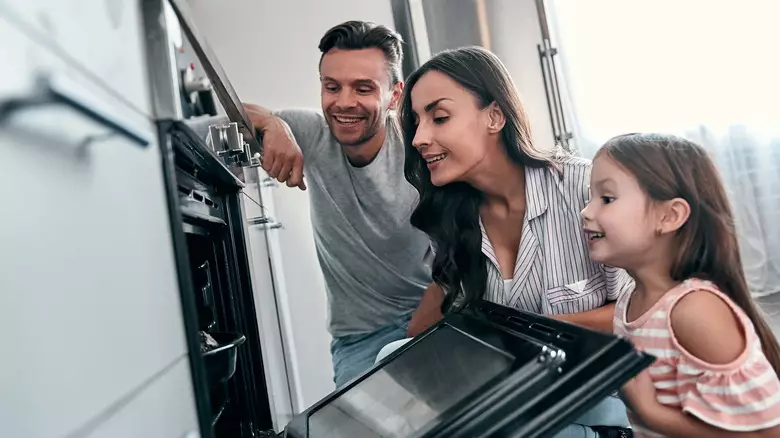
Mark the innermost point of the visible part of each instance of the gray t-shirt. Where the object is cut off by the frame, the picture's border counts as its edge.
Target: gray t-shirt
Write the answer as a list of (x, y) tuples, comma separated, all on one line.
[(373, 260)]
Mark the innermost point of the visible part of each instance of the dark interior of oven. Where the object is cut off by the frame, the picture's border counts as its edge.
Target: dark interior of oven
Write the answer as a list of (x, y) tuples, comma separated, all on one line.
[(214, 275)]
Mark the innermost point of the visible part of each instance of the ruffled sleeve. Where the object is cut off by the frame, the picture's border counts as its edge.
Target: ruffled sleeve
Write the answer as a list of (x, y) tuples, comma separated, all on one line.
[(742, 396)]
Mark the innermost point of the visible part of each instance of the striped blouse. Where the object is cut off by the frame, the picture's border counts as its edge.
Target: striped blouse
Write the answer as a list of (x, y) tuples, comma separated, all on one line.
[(741, 396), (554, 273)]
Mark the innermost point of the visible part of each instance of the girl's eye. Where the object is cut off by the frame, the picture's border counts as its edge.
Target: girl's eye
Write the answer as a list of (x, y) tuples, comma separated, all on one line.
[(440, 120), (607, 199)]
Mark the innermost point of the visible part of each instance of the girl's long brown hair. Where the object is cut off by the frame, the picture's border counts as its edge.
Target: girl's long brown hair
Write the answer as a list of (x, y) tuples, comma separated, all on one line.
[(669, 167)]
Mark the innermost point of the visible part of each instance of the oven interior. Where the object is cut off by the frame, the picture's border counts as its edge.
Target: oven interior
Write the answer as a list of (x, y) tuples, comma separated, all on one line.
[(213, 257)]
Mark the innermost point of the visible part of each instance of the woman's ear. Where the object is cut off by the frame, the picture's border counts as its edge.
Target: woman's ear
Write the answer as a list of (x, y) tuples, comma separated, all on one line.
[(496, 118), (675, 214)]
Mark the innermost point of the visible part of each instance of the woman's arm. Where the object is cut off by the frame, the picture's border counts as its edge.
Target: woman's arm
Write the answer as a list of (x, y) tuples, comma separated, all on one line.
[(596, 319)]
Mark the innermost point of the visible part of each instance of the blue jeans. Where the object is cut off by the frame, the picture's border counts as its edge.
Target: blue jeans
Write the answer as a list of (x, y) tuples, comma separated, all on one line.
[(609, 412), (354, 354)]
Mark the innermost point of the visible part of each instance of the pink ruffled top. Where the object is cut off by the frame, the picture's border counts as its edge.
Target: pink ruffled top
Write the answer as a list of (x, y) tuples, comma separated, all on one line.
[(743, 395)]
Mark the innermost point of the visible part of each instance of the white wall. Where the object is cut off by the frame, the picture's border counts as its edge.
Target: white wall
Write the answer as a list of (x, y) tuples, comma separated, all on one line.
[(513, 27), (268, 49), (514, 35)]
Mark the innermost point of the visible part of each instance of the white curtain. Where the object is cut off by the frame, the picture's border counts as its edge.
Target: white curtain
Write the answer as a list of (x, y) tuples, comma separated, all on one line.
[(709, 71)]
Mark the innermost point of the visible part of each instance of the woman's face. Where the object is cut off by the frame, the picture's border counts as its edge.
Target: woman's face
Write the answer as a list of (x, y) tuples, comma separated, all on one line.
[(453, 133)]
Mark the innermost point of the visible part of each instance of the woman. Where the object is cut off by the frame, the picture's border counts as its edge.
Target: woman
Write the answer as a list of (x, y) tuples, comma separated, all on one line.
[(503, 216)]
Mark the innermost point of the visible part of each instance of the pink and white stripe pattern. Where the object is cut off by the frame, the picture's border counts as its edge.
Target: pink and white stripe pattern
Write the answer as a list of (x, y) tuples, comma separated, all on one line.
[(740, 396)]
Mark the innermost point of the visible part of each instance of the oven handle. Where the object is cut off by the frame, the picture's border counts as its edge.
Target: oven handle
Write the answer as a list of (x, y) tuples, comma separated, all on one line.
[(50, 91), (265, 221)]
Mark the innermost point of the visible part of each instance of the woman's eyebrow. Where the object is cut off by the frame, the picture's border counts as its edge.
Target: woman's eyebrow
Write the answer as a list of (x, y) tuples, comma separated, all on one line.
[(435, 103)]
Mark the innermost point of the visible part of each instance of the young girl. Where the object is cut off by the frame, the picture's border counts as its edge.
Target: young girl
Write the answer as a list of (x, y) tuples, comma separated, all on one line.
[(659, 210)]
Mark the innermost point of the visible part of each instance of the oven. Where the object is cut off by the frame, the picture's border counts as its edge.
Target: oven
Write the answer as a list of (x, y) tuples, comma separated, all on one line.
[(207, 194), (209, 224)]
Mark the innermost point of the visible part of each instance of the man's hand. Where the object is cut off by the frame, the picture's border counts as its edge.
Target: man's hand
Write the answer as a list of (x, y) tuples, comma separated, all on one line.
[(282, 157)]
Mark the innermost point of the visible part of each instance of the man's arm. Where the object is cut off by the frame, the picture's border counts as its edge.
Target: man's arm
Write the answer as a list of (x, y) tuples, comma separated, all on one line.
[(282, 157), (428, 312), (596, 319)]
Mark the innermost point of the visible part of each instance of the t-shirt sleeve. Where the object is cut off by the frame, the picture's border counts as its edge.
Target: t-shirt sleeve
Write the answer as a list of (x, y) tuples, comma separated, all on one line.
[(429, 255), (308, 127)]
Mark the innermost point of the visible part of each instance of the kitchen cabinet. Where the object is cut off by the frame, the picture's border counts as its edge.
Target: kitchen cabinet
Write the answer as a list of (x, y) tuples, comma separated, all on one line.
[(159, 410), (90, 306), (102, 39), (274, 333)]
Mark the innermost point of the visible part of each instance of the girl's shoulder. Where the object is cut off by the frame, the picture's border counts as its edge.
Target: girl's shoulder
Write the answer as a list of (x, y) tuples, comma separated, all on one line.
[(708, 327), (722, 374)]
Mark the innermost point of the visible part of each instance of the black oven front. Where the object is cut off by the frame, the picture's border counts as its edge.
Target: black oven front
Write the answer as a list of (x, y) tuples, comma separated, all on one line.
[(219, 309)]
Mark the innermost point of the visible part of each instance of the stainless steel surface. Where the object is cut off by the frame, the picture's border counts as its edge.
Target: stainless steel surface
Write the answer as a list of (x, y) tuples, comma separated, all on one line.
[(229, 144), (547, 54), (193, 84), (219, 80), (161, 61), (267, 222)]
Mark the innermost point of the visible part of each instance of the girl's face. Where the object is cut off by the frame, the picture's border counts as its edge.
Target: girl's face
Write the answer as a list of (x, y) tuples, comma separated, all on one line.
[(453, 133), (620, 219)]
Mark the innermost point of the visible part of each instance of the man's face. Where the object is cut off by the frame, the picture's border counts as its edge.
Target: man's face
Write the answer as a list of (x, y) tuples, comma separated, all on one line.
[(356, 93)]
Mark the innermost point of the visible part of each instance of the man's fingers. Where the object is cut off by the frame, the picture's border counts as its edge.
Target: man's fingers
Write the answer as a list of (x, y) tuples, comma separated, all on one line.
[(269, 157), (285, 171), (277, 168), (296, 176)]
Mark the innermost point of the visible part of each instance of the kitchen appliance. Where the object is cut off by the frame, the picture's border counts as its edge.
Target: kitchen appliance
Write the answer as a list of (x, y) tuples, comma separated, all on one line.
[(209, 227), (486, 371), (206, 195)]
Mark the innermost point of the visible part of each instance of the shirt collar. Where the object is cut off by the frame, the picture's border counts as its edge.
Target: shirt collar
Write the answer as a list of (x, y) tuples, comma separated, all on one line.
[(536, 180)]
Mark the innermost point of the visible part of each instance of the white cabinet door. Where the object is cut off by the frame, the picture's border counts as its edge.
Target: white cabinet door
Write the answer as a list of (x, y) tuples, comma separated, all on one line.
[(265, 282), (103, 38), (89, 300), (165, 408)]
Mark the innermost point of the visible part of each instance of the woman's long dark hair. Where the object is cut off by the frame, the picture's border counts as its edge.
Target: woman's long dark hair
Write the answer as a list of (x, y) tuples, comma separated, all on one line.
[(449, 215), (669, 167)]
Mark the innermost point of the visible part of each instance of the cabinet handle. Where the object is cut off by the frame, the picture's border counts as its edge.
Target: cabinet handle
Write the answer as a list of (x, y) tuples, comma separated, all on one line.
[(266, 221), (49, 91)]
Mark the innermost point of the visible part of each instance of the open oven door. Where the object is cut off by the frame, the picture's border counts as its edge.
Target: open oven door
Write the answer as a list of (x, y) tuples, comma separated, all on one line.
[(483, 372)]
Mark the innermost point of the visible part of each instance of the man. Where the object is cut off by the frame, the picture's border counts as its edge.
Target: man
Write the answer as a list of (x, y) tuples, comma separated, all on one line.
[(353, 157)]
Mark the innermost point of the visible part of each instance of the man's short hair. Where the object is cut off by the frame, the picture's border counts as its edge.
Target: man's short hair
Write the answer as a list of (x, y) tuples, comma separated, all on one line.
[(356, 35)]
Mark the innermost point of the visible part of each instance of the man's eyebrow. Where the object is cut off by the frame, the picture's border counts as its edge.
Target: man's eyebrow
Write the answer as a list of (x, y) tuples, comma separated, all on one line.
[(365, 82), (355, 82)]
